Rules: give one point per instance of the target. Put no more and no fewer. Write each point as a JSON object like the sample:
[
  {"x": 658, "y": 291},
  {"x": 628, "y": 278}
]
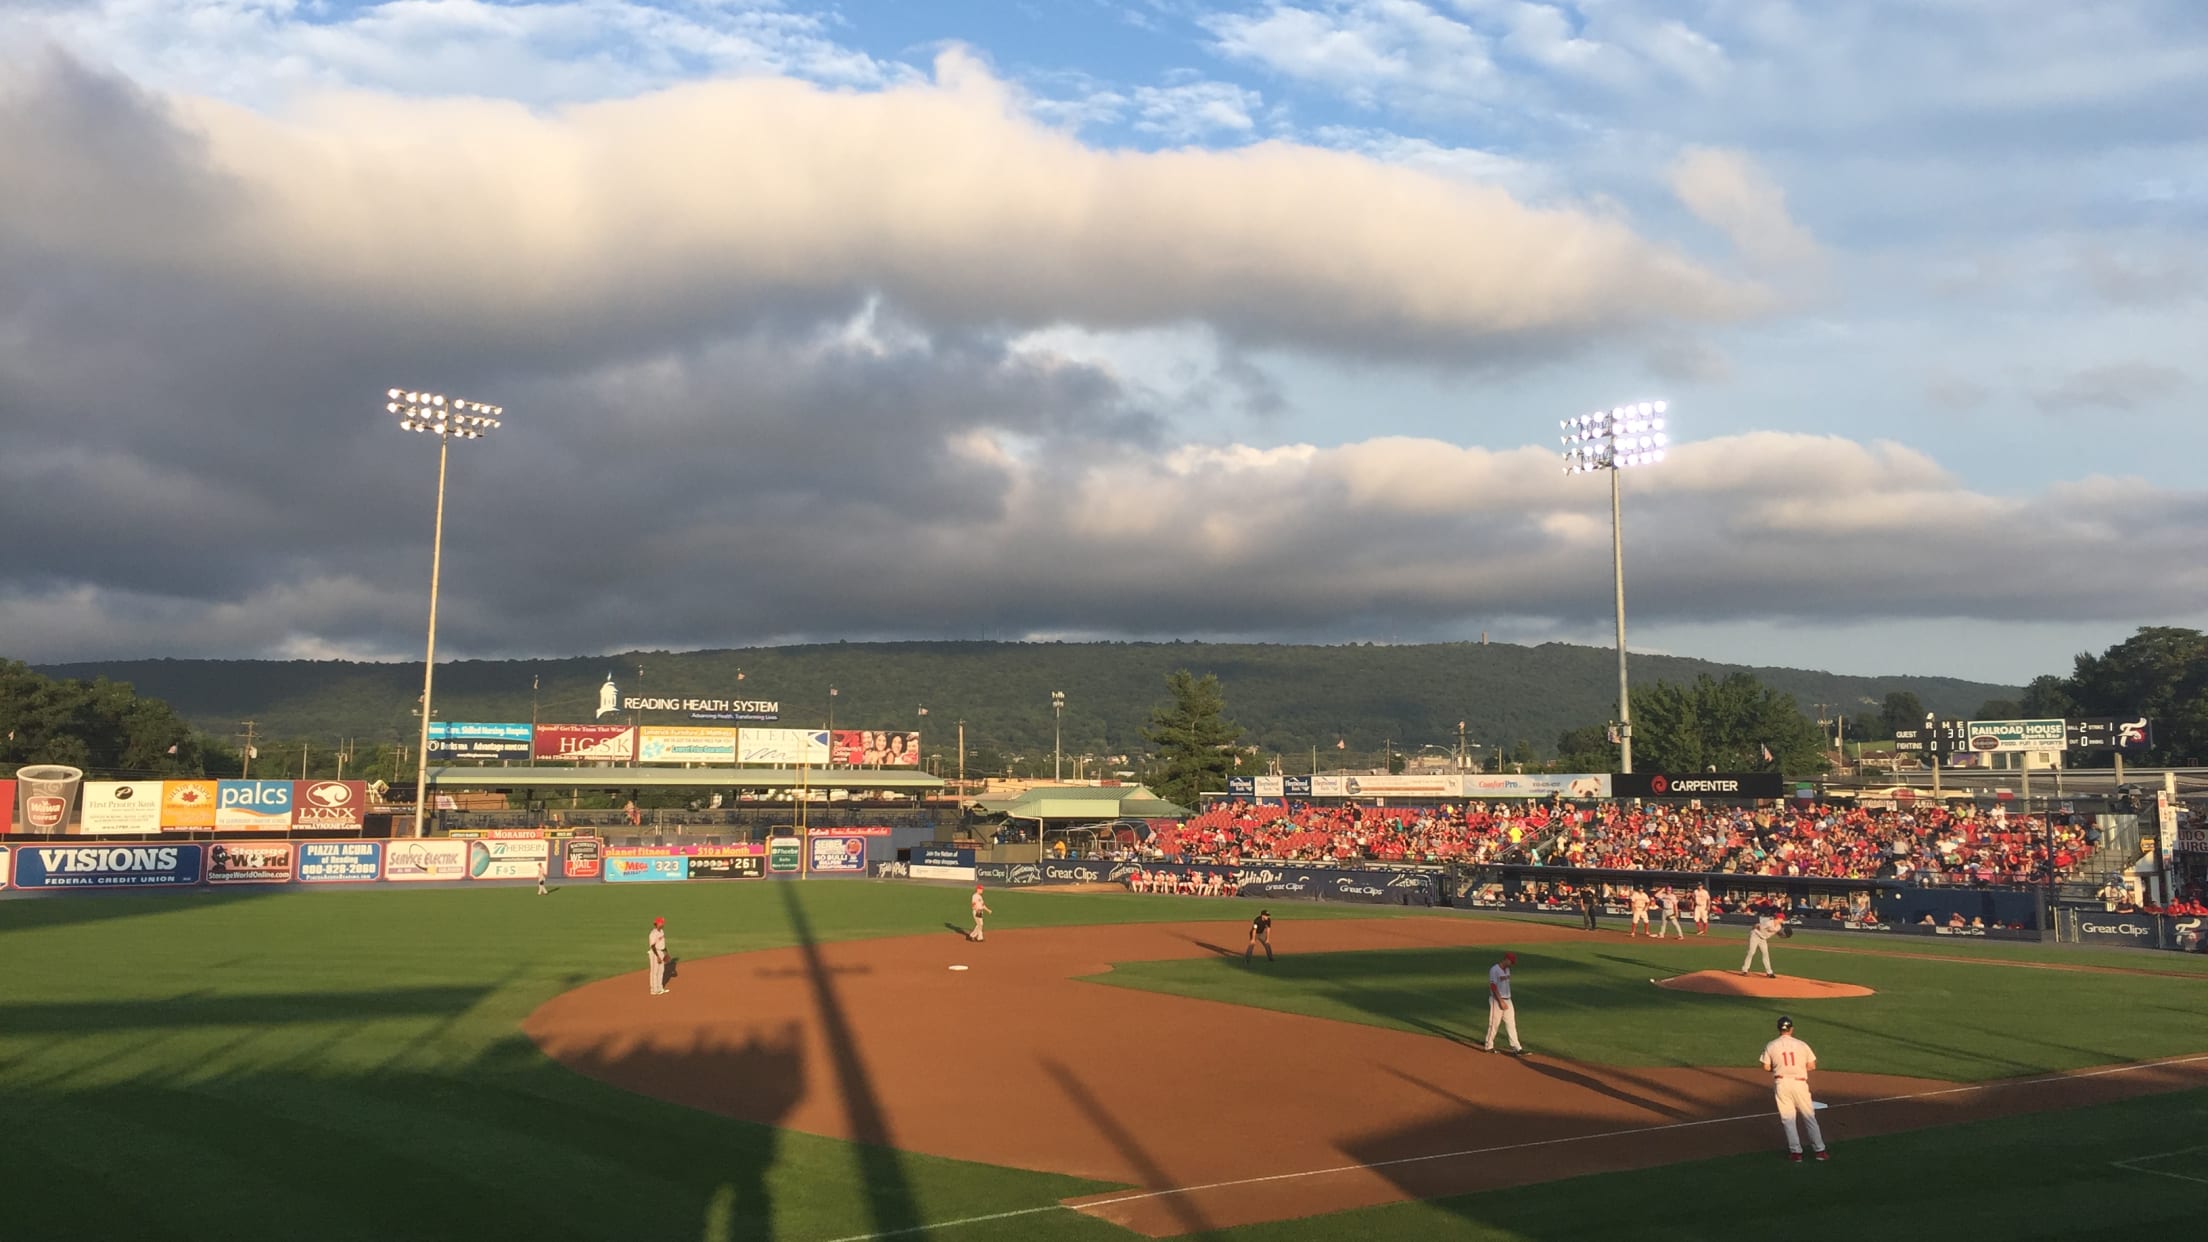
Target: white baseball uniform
[
  {"x": 1701, "y": 911},
  {"x": 1759, "y": 941},
  {"x": 980, "y": 908},
  {"x": 655, "y": 954},
  {"x": 1790, "y": 1061},
  {"x": 1501, "y": 1010},
  {"x": 1639, "y": 901},
  {"x": 1668, "y": 902},
  {"x": 542, "y": 872}
]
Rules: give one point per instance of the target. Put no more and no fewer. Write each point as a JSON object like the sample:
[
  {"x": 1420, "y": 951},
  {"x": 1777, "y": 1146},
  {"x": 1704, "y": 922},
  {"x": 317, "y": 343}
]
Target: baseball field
[{"x": 473, "y": 1063}]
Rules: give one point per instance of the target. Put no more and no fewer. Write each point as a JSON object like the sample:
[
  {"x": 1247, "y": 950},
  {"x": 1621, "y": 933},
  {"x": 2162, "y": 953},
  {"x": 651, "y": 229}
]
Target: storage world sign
[{"x": 2015, "y": 735}]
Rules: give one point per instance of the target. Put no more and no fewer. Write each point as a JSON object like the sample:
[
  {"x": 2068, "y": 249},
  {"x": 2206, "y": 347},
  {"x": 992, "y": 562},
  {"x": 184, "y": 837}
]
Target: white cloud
[
  {"x": 1185, "y": 112},
  {"x": 1726, "y": 190},
  {"x": 2123, "y": 387}
]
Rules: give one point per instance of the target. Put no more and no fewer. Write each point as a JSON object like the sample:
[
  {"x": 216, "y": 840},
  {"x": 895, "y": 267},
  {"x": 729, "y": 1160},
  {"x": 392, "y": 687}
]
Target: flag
[
  {"x": 831, "y": 692},
  {"x": 172, "y": 750},
  {"x": 923, "y": 711},
  {"x": 1339, "y": 744},
  {"x": 1766, "y": 754}
]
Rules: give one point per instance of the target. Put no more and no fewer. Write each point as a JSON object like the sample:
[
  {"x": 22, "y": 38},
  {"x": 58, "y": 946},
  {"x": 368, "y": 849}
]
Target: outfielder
[
  {"x": 1701, "y": 909},
  {"x": 655, "y": 954},
  {"x": 543, "y": 871},
  {"x": 1789, "y": 1060},
  {"x": 1759, "y": 941},
  {"x": 1638, "y": 900},
  {"x": 1668, "y": 902},
  {"x": 980, "y": 908},
  {"x": 1261, "y": 933},
  {"x": 1500, "y": 1011}
]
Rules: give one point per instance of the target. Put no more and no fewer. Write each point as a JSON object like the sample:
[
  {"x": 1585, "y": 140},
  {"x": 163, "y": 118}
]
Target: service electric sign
[{"x": 2015, "y": 735}]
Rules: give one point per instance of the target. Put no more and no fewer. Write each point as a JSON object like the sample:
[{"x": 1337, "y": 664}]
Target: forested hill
[{"x": 1287, "y": 698}]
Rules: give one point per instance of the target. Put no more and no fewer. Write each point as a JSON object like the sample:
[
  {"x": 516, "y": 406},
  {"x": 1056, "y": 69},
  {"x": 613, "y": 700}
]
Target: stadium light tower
[
  {"x": 430, "y": 413},
  {"x": 1613, "y": 440},
  {"x": 1057, "y": 734}
]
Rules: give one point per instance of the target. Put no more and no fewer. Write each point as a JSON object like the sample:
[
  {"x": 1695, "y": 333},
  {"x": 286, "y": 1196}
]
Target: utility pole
[
  {"x": 961, "y": 758},
  {"x": 245, "y": 770},
  {"x": 303, "y": 748},
  {"x": 1460, "y": 746}
]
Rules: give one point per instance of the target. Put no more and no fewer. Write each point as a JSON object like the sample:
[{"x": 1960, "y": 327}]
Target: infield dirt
[{"x": 1217, "y": 1114}]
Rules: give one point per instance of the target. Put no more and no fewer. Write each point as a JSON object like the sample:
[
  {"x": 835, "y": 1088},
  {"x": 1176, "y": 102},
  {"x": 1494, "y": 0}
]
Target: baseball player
[
  {"x": 1588, "y": 905},
  {"x": 1261, "y": 933},
  {"x": 1638, "y": 900},
  {"x": 1500, "y": 1011},
  {"x": 1789, "y": 1061},
  {"x": 655, "y": 953},
  {"x": 980, "y": 908},
  {"x": 1701, "y": 909},
  {"x": 1667, "y": 901},
  {"x": 1767, "y": 925},
  {"x": 542, "y": 872}
]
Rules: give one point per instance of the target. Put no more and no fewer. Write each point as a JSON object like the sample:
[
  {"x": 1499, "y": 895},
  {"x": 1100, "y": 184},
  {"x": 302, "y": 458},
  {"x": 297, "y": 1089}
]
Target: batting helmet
[{"x": 1786, "y": 1024}]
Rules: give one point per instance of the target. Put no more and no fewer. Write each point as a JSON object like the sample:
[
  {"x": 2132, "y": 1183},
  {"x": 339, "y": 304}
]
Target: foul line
[
  {"x": 1761, "y": 1115},
  {"x": 2132, "y": 1165}
]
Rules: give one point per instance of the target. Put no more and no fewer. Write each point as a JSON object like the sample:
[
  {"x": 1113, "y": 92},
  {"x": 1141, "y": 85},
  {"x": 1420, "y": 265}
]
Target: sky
[{"x": 1136, "y": 319}]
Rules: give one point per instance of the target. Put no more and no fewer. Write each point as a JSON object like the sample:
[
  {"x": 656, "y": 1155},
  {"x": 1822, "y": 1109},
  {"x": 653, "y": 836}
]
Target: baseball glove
[{"x": 1786, "y": 931}]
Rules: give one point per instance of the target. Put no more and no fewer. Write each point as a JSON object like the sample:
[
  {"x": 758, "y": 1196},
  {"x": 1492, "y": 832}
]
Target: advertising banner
[
  {"x": 48, "y": 794},
  {"x": 340, "y": 862},
  {"x": 1329, "y": 786},
  {"x": 869, "y": 748},
  {"x": 1271, "y": 787},
  {"x": 583, "y": 858},
  {"x": 2015, "y": 735},
  {"x": 869, "y": 830},
  {"x": 1403, "y": 786},
  {"x": 7, "y": 813},
  {"x": 844, "y": 854},
  {"x": 784, "y": 747},
  {"x": 685, "y": 744},
  {"x": 187, "y": 806},
  {"x": 729, "y": 863},
  {"x": 464, "y": 739},
  {"x": 1372, "y": 885},
  {"x": 249, "y": 862},
  {"x": 1698, "y": 785},
  {"x": 1575, "y": 785},
  {"x": 2135, "y": 931},
  {"x": 632, "y": 868},
  {"x": 107, "y": 866},
  {"x": 1241, "y": 786},
  {"x": 509, "y": 859},
  {"x": 941, "y": 862},
  {"x": 113, "y": 808},
  {"x": 4, "y": 861},
  {"x": 785, "y": 854},
  {"x": 253, "y": 806},
  {"x": 2109, "y": 733},
  {"x": 1295, "y": 786},
  {"x": 329, "y": 806},
  {"x": 413, "y": 861},
  {"x": 585, "y": 743},
  {"x": 2192, "y": 839},
  {"x": 697, "y": 708}
]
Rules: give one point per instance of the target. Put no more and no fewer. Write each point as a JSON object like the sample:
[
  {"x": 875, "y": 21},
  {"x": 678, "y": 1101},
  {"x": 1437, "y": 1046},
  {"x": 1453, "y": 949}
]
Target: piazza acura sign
[{"x": 1698, "y": 785}]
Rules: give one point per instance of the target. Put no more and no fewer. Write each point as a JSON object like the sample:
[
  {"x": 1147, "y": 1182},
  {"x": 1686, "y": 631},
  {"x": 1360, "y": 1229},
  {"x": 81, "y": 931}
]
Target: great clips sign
[
  {"x": 107, "y": 866},
  {"x": 1697, "y": 785}
]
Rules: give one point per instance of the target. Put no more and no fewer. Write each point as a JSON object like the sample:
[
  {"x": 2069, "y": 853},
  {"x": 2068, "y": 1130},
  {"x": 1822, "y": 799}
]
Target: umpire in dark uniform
[
  {"x": 1587, "y": 907},
  {"x": 1261, "y": 933}
]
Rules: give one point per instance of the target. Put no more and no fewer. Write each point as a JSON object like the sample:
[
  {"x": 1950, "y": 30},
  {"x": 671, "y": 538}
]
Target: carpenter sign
[{"x": 1698, "y": 785}]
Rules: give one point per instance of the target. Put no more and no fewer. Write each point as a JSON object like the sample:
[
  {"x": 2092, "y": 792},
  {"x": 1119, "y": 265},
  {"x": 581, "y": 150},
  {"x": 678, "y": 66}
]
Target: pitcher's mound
[{"x": 1730, "y": 983}]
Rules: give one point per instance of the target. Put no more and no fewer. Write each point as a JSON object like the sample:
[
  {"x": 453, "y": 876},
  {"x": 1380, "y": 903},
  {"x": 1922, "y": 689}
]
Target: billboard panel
[
  {"x": 187, "y": 806},
  {"x": 868, "y": 748},
  {"x": 636, "y": 868},
  {"x": 425, "y": 859},
  {"x": 509, "y": 859},
  {"x": 329, "y": 806},
  {"x": 114, "y": 808},
  {"x": 1241, "y": 786},
  {"x": 2016, "y": 735},
  {"x": 840, "y": 854},
  {"x": 1329, "y": 786},
  {"x": 1698, "y": 785},
  {"x": 581, "y": 742},
  {"x": 1534, "y": 785},
  {"x": 4, "y": 870},
  {"x": 1271, "y": 787},
  {"x": 107, "y": 866},
  {"x": 7, "y": 812},
  {"x": 469, "y": 739},
  {"x": 685, "y": 744},
  {"x": 729, "y": 863},
  {"x": 249, "y": 862},
  {"x": 1403, "y": 786},
  {"x": 340, "y": 862},
  {"x": 253, "y": 806},
  {"x": 787, "y": 747},
  {"x": 1295, "y": 786},
  {"x": 583, "y": 858}
]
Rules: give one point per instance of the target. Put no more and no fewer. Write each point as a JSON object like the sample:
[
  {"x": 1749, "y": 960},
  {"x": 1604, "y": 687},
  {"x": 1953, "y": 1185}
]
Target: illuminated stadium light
[
  {"x": 448, "y": 420},
  {"x": 1623, "y": 437}
]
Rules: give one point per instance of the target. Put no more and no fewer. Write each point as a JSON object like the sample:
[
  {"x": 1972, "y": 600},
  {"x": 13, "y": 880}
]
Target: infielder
[
  {"x": 655, "y": 953},
  {"x": 980, "y": 908},
  {"x": 1701, "y": 909},
  {"x": 1759, "y": 941},
  {"x": 1789, "y": 1060},
  {"x": 1500, "y": 1011},
  {"x": 1668, "y": 902},
  {"x": 1638, "y": 900},
  {"x": 1261, "y": 933}
]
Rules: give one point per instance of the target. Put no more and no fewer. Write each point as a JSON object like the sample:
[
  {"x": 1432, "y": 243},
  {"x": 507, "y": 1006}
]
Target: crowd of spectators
[{"x": 1929, "y": 845}]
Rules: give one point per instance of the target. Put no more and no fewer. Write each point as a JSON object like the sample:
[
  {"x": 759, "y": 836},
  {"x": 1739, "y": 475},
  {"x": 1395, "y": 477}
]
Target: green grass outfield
[{"x": 347, "y": 1065}]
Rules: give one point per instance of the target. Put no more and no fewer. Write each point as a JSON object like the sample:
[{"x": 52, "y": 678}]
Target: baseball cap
[
  {"x": 1786, "y": 1024},
  {"x": 1510, "y": 957},
  {"x": 659, "y": 922}
]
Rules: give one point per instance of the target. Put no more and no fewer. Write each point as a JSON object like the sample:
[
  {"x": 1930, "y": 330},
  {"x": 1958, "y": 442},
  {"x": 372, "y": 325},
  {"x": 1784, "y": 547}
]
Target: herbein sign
[{"x": 1698, "y": 785}]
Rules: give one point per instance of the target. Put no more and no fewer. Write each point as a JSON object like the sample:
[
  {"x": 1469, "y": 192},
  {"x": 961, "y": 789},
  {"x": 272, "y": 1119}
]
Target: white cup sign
[{"x": 49, "y": 790}]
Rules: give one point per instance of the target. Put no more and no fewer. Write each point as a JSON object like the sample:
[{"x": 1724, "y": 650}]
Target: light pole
[
  {"x": 1612, "y": 440},
  {"x": 1057, "y": 733},
  {"x": 430, "y": 412}
]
